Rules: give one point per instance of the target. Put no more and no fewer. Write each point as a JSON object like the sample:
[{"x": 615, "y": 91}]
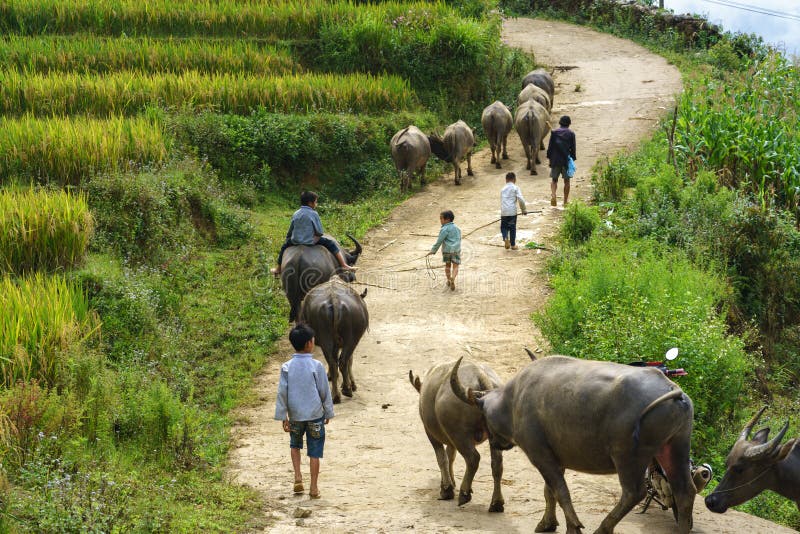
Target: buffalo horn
[
  {"x": 465, "y": 394},
  {"x": 530, "y": 354},
  {"x": 745, "y": 435},
  {"x": 760, "y": 451},
  {"x": 357, "y": 251}
]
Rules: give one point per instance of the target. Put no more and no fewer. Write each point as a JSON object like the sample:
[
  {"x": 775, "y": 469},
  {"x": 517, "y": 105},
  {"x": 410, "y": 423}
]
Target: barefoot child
[
  {"x": 304, "y": 405},
  {"x": 306, "y": 229},
  {"x": 450, "y": 241}
]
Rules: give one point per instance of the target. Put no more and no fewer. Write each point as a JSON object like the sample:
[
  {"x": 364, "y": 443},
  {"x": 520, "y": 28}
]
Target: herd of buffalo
[{"x": 564, "y": 413}]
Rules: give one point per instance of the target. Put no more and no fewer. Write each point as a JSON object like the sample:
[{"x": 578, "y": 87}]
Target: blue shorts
[{"x": 314, "y": 432}]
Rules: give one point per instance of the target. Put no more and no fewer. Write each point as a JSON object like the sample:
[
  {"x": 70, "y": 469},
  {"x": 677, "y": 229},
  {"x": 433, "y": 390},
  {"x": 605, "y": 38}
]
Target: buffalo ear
[
  {"x": 784, "y": 451},
  {"x": 761, "y": 436}
]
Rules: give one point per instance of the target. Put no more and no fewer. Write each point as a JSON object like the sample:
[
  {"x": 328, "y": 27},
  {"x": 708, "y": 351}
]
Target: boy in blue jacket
[{"x": 450, "y": 241}]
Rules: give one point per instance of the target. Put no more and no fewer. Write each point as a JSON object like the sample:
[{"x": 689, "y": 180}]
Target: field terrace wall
[{"x": 693, "y": 31}]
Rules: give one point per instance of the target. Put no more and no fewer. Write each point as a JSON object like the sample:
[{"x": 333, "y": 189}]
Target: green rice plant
[
  {"x": 43, "y": 230},
  {"x": 65, "y": 150},
  {"x": 278, "y": 19},
  {"x": 40, "y": 318},
  {"x": 103, "y": 55},
  {"x": 128, "y": 93}
]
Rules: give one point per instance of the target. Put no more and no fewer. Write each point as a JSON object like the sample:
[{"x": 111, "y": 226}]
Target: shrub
[
  {"x": 580, "y": 221},
  {"x": 625, "y": 302},
  {"x": 42, "y": 230}
]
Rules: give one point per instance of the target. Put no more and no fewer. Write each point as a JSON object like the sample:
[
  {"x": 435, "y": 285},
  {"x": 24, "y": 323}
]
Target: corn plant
[
  {"x": 128, "y": 93},
  {"x": 40, "y": 318},
  {"x": 102, "y": 55},
  {"x": 65, "y": 150},
  {"x": 42, "y": 230},
  {"x": 747, "y": 131}
]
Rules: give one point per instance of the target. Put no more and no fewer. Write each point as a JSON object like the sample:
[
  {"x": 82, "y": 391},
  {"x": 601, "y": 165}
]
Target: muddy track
[{"x": 379, "y": 473}]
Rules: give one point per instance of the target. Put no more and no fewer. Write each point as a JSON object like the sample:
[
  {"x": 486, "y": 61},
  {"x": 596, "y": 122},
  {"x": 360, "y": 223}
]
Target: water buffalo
[
  {"x": 593, "y": 417},
  {"x": 339, "y": 318},
  {"x": 451, "y": 423},
  {"x": 534, "y": 92},
  {"x": 305, "y": 267},
  {"x": 531, "y": 124},
  {"x": 497, "y": 123},
  {"x": 757, "y": 465},
  {"x": 456, "y": 144},
  {"x": 541, "y": 78},
  {"x": 410, "y": 152}
]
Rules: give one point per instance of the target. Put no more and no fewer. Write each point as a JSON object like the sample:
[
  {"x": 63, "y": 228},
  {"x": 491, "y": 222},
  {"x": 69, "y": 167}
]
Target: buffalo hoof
[
  {"x": 353, "y": 386},
  {"x": 533, "y": 171},
  {"x": 458, "y": 182},
  {"x": 347, "y": 392},
  {"x": 446, "y": 494},
  {"x": 546, "y": 526},
  {"x": 464, "y": 498},
  {"x": 497, "y": 165},
  {"x": 538, "y": 161},
  {"x": 528, "y": 165},
  {"x": 505, "y": 156},
  {"x": 337, "y": 399},
  {"x": 494, "y": 160},
  {"x": 498, "y": 507},
  {"x": 469, "y": 173}
]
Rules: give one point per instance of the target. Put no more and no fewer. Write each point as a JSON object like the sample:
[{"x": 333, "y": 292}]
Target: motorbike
[{"x": 656, "y": 483}]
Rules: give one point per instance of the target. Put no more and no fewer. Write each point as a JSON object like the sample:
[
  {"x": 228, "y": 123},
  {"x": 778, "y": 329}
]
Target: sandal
[
  {"x": 298, "y": 487},
  {"x": 316, "y": 495}
]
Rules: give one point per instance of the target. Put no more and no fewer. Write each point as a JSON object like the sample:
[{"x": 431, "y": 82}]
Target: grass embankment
[
  {"x": 690, "y": 244},
  {"x": 128, "y": 429}
]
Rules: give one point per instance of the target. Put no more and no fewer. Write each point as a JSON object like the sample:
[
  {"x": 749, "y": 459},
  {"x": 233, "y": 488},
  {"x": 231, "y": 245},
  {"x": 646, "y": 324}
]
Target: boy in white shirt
[{"x": 510, "y": 195}]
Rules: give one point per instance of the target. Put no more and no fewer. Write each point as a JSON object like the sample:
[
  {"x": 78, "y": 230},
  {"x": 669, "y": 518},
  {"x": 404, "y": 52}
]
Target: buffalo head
[
  {"x": 351, "y": 256},
  {"x": 438, "y": 149},
  {"x": 751, "y": 467}
]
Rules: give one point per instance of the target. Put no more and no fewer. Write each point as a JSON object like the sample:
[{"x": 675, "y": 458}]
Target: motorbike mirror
[{"x": 672, "y": 353}]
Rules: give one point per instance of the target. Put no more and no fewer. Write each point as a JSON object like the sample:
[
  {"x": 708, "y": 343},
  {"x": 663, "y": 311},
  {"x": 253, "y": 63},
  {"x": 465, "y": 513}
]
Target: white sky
[{"x": 774, "y": 30}]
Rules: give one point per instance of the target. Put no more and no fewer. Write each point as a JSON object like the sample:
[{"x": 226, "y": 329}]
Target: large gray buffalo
[
  {"x": 410, "y": 152},
  {"x": 593, "y": 417},
  {"x": 454, "y": 146},
  {"x": 339, "y": 318},
  {"x": 531, "y": 123},
  {"x": 534, "y": 92},
  {"x": 497, "y": 122},
  {"x": 451, "y": 423},
  {"x": 757, "y": 465},
  {"x": 305, "y": 267},
  {"x": 541, "y": 78}
]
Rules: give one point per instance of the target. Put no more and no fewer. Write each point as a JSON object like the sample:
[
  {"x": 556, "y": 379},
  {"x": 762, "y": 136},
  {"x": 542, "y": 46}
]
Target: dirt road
[{"x": 379, "y": 473}]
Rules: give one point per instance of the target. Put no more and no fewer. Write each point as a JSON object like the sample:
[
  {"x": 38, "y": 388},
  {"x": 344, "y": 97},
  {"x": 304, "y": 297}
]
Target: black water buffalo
[
  {"x": 339, "y": 318},
  {"x": 497, "y": 123},
  {"x": 456, "y": 144},
  {"x": 593, "y": 417},
  {"x": 534, "y": 92},
  {"x": 410, "y": 152},
  {"x": 757, "y": 465},
  {"x": 451, "y": 423},
  {"x": 307, "y": 266},
  {"x": 531, "y": 123},
  {"x": 541, "y": 78}
]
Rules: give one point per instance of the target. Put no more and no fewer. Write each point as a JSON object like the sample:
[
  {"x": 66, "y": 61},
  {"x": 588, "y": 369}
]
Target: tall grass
[
  {"x": 40, "y": 317},
  {"x": 290, "y": 19},
  {"x": 127, "y": 93},
  {"x": 747, "y": 130},
  {"x": 65, "y": 150},
  {"x": 42, "y": 230},
  {"x": 102, "y": 55}
]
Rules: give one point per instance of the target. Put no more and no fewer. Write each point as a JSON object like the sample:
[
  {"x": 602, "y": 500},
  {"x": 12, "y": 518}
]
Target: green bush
[
  {"x": 344, "y": 155},
  {"x": 149, "y": 216},
  {"x": 580, "y": 221},
  {"x": 630, "y": 301}
]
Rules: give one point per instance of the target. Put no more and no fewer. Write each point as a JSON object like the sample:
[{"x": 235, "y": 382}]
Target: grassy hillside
[{"x": 151, "y": 156}]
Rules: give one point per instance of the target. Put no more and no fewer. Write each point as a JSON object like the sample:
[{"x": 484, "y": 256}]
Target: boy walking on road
[
  {"x": 304, "y": 405},
  {"x": 561, "y": 145},
  {"x": 510, "y": 195},
  {"x": 450, "y": 241}
]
